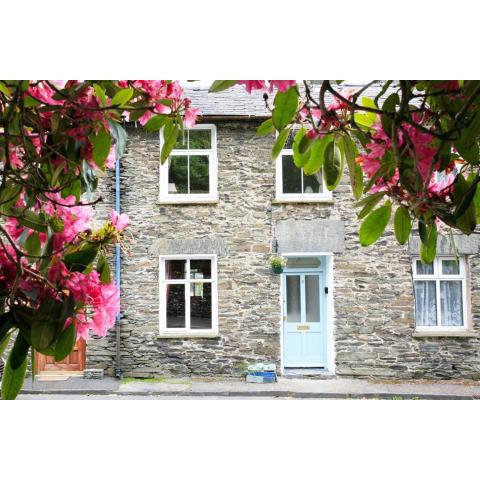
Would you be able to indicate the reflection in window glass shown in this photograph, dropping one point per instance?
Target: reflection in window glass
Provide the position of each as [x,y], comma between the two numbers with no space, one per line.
[200,139]
[291,176]
[176,306]
[178,174]
[201,306]
[423,269]
[175,269]
[199,177]
[450,267]
[451,303]
[312,183]
[200,269]
[425,303]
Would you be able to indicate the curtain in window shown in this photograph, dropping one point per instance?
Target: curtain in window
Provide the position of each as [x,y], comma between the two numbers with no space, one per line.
[451,303]
[425,303]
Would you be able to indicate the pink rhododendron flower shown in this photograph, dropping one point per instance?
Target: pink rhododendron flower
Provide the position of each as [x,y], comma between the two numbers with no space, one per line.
[120,222]
[111,159]
[102,299]
[282,85]
[190,117]
[251,85]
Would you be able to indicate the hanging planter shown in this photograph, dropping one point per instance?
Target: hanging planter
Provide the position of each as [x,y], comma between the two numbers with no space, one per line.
[277,263]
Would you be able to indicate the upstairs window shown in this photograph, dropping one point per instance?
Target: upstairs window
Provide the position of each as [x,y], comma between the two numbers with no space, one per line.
[440,294]
[292,184]
[190,173]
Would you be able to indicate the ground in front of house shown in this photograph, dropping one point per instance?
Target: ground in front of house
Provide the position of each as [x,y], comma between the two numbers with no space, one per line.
[163,387]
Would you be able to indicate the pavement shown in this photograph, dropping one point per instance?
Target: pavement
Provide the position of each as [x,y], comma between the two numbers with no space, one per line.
[340,388]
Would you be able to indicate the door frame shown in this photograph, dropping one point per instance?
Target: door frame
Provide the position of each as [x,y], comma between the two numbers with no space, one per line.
[329,307]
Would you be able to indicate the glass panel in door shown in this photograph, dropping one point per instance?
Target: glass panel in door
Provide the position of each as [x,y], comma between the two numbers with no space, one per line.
[294,310]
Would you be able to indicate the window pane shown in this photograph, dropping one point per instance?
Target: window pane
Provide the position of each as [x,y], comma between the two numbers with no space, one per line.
[177,174]
[450,267]
[451,303]
[293,299]
[291,176]
[312,183]
[200,269]
[176,306]
[182,141]
[199,175]
[424,269]
[312,306]
[200,305]
[425,303]
[175,269]
[200,139]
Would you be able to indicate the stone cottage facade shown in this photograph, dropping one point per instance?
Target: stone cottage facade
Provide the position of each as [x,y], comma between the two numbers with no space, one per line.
[198,297]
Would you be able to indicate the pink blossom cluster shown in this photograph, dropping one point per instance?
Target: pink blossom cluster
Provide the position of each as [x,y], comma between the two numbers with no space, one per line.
[420,145]
[160,93]
[280,85]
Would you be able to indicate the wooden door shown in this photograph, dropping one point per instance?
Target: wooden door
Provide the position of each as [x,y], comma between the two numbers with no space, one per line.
[75,362]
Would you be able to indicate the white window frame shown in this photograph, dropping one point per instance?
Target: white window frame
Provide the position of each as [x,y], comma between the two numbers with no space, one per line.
[186,331]
[210,197]
[324,196]
[437,276]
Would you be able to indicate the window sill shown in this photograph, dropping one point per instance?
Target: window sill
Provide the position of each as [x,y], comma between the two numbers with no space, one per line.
[189,201]
[280,201]
[444,333]
[188,335]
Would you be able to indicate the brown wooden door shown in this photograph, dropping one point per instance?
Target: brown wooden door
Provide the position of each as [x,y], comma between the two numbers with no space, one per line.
[73,363]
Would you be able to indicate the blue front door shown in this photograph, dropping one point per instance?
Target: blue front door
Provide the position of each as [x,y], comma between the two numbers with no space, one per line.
[304,322]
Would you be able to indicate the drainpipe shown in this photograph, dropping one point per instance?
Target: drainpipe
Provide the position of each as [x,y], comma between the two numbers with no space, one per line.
[118,366]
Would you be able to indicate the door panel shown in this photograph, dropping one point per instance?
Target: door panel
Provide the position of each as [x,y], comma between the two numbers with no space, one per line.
[74,362]
[304,320]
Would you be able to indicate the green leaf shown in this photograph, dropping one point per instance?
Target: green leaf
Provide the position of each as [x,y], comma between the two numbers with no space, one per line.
[374,225]
[15,369]
[428,249]
[100,94]
[122,96]
[5,90]
[65,342]
[465,215]
[369,103]
[42,334]
[317,155]
[219,85]
[32,245]
[286,104]
[402,224]
[80,260]
[155,123]
[119,134]
[280,142]
[169,139]
[389,105]
[354,170]
[333,166]
[300,158]
[103,269]
[4,343]
[101,147]
[265,128]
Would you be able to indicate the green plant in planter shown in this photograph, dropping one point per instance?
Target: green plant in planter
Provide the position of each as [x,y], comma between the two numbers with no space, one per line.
[277,263]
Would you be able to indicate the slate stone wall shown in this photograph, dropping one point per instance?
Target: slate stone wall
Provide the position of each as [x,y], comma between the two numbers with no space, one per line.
[372,289]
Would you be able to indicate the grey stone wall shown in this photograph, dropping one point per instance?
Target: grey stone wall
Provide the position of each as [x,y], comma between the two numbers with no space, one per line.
[372,289]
